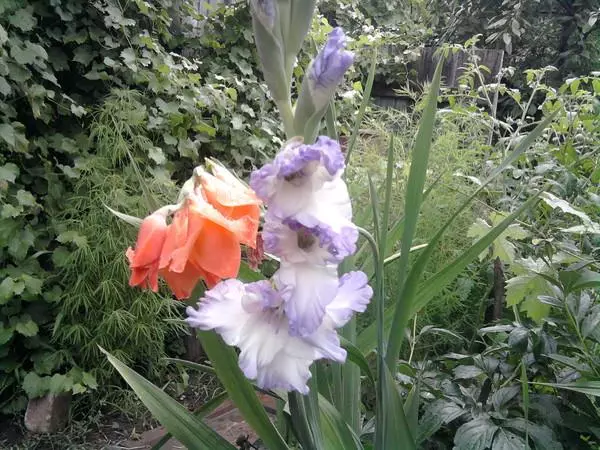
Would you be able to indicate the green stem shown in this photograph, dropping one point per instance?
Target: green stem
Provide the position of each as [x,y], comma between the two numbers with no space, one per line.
[287,115]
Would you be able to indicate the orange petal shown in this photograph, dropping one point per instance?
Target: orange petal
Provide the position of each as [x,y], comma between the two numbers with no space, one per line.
[244,228]
[219,192]
[183,283]
[150,240]
[217,251]
[180,255]
[176,237]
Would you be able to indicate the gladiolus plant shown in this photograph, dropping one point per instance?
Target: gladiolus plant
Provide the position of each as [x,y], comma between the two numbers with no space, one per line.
[295,333]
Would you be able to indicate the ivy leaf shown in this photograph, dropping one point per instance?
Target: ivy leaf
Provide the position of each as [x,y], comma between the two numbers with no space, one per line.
[9,288]
[45,363]
[129,57]
[3,35]
[9,172]
[7,132]
[32,285]
[60,383]
[72,236]
[78,110]
[78,388]
[237,122]
[26,326]
[25,198]
[89,380]
[34,385]
[19,246]
[156,154]
[83,55]
[23,19]
[10,211]
[5,88]
[6,333]
[475,435]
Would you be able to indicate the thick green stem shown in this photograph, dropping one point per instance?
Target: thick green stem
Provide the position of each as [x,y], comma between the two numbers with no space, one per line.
[287,115]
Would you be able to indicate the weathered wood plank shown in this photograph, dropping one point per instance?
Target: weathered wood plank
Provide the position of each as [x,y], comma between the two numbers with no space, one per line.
[455,65]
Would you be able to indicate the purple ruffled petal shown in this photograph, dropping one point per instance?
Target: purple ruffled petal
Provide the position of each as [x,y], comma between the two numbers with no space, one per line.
[331,63]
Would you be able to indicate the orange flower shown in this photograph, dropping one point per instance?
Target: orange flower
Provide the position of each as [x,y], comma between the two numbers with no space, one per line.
[204,237]
[144,260]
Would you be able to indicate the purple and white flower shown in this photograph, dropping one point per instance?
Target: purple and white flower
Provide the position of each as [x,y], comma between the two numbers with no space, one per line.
[252,317]
[303,188]
[297,171]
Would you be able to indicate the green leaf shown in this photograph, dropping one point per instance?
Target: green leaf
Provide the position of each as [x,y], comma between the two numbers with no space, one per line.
[32,285]
[157,155]
[505,440]
[6,333]
[540,434]
[395,431]
[34,385]
[504,395]
[240,390]
[336,433]
[589,387]
[83,54]
[201,412]
[89,380]
[23,19]
[3,35]
[26,326]
[25,198]
[438,413]
[72,236]
[9,211]
[411,407]
[60,383]
[8,288]
[186,428]
[475,435]
[5,88]
[9,172]
[502,247]
[412,207]
[356,357]
[7,132]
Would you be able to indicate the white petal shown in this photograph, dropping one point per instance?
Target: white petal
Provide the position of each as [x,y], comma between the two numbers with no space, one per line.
[306,290]
[353,296]
[222,310]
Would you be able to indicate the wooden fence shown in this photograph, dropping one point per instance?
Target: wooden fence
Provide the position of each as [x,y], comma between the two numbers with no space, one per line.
[421,71]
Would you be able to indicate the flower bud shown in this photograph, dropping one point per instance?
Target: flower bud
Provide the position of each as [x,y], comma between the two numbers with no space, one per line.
[270,46]
[323,76]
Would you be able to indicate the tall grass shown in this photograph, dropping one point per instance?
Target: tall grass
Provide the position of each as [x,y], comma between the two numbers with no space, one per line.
[457,147]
